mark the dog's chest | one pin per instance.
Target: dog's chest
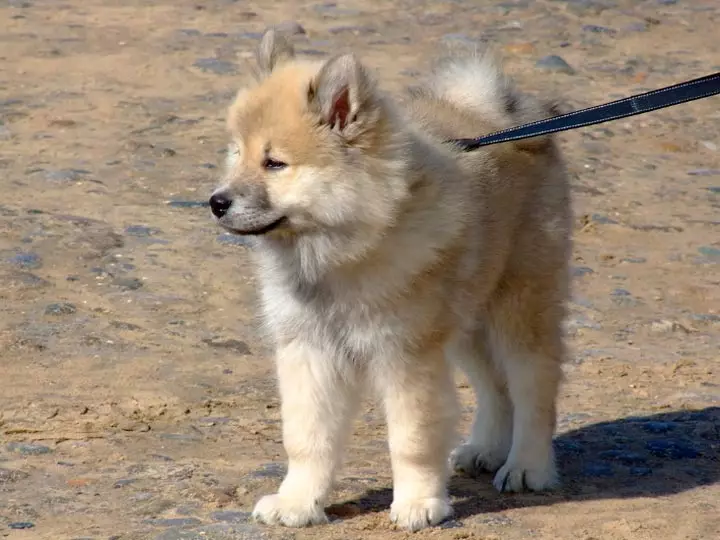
(338, 323)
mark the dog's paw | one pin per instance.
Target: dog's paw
(516, 477)
(291, 512)
(471, 460)
(416, 514)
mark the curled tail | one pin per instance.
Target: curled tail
(475, 82)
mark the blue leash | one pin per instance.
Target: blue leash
(641, 103)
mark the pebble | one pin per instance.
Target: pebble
(623, 298)
(555, 63)
(710, 253)
(634, 260)
(188, 204)
(216, 66)
(128, 284)
(28, 449)
(580, 271)
(230, 516)
(66, 175)
(269, 470)
(355, 30)
(714, 189)
(18, 525)
(672, 449)
(60, 308)
(28, 260)
(229, 344)
(124, 482)
(141, 231)
(704, 172)
(595, 29)
(173, 522)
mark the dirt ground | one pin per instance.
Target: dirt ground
(136, 399)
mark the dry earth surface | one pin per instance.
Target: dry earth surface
(136, 398)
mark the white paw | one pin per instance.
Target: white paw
(416, 514)
(472, 460)
(516, 477)
(291, 512)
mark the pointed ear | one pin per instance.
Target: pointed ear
(342, 92)
(273, 50)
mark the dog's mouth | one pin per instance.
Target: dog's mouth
(258, 231)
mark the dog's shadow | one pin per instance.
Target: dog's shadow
(647, 456)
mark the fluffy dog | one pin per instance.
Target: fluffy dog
(385, 255)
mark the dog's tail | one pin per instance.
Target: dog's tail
(476, 83)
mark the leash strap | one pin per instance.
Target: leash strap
(650, 101)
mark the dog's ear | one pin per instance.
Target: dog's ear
(342, 92)
(273, 50)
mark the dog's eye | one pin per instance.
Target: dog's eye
(271, 164)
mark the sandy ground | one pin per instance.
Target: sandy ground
(136, 399)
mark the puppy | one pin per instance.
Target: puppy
(386, 255)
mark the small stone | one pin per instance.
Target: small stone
(634, 260)
(66, 175)
(710, 253)
(141, 231)
(520, 48)
(710, 145)
(602, 220)
(216, 66)
(230, 344)
(60, 308)
(451, 524)
(28, 449)
(128, 284)
(704, 172)
(714, 189)
(230, 516)
(580, 271)
(124, 482)
(230, 239)
(269, 470)
(555, 63)
(79, 482)
(623, 297)
(18, 525)
(28, 261)
(356, 30)
(173, 522)
(672, 449)
(595, 29)
(188, 204)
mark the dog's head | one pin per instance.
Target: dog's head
(315, 150)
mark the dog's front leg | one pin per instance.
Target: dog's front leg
(318, 398)
(421, 408)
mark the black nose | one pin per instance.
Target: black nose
(220, 204)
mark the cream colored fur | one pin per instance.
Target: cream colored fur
(398, 257)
